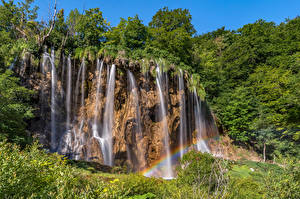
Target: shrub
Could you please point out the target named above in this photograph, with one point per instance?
(244, 188)
(32, 173)
(204, 173)
(283, 184)
(132, 185)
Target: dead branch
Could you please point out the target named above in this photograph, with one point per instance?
(22, 32)
(44, 37)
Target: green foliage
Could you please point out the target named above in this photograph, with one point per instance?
(131, 186)
(18, 29)
(251, 77)
(172, 30)
(285, 185)
(238, 110)
(244, 188)
(130, 34)
(32, 173)
(198, 169)
(89, 27)
(14, 108)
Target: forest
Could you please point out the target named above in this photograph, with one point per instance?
(250, 78)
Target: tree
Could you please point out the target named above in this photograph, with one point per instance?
(130, 34)
(238, 109)
(88, 32)
(172, 30)
(14, 108)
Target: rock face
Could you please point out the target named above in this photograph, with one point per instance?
(137, 138)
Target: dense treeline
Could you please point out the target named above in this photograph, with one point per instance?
(251, 75)
(252, 80)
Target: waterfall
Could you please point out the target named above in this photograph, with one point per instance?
(86, 134)
(78, 137)
(65, 144)
(201, 144)
(77, 87)
(43, 85)
(62, 76)
(134, 92)
(82, 83)
(68, 94)
(53, 102)
(134, 102)
(167, 171)
(98, 91)
(108, 120)
(183, 126)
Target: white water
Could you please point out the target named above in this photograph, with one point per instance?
(167, 171)
(78, 141)
(201, 144)
(65, 144)
(82, 83)
(43, 84)
(98, 91)
(62, 76)
(68, 93)
(134, 91)
(183, 126)
(108, 120)
(53, 141)
(77, 86)
(132, 88)
(78, 136)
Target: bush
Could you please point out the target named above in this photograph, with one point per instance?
(205, 174)
(133, 185)
(32, 173)
(244, 188)
(284, 184)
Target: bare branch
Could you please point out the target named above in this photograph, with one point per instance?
(44, 37)
(22, 32)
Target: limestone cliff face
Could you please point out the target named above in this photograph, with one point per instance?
(136, 150)
(129, 148)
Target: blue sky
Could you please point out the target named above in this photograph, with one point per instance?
(208, 15)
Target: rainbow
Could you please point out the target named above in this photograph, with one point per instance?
(175, 153)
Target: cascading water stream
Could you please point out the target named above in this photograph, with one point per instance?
(65, 143)
(43, 84)
(108, 120)
(53, 102)
(167, 171)
(77, 87)
(65, 146)
(76, 93)
(183, 125)
(68, 93)
(78, 137)
(98, 91)
(134, 92)
(132, 88)
(82, 83)
(201, 144)
(62, 76)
